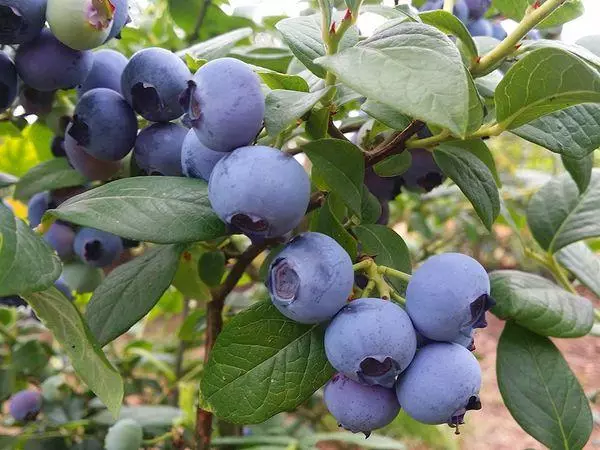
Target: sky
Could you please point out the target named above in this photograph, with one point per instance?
(584, 26)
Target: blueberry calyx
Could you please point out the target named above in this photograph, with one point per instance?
(80, 131)
(381, 370)
(249, 224)
(284, 281)
(430, 181)
(146, 99)
(190, 103)
(479, 307)
(11, 22)
(93, 250)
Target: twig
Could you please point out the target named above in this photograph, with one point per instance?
(395, 146)
(201, 16)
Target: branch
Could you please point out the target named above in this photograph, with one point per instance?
(396, 146)
(201, 16)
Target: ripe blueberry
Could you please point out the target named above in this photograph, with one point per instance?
(106, 72)
(90, 167)
(158, 149)
(97, 248)
(371, 341)
(311, 278)
(441, 384)
(480, 27)
(259, 191)
(25, 405)
(8, 82)
(120, 19)
(197, 160)
(360, 408)
(37, 206)
(21, 20)
(226, 104)
(61, 237)
(477, 8)
(423, 175)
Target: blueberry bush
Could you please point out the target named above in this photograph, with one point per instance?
(323, 209)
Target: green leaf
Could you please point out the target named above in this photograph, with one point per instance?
(130, 291)
(193, 327)
(82, 278)
(263, 364)
(27, 263)
(591, 43)
(326, 7)
(572, 132)
(164, 210)
(69, 328)
(30, 357)
(515, 9)
(521, 98)
(303, 37)
(450, 24)
(156, 416)
(371, 208)
(211, 267)
(284, 108)
(540, 305)
(276, 80)
(394, 165)
(318, 123)
(8, 381)
(273, 58)
(582, 262)
(387, 247)
(479, 148)
(216, 47)
(540, 390)
(580, 170)
(327, 220)
(408, 58)
(473, 178)
(558, 215)
(341, 165)
(7, 180)
(187, 279)
(49, 175)
(386, 115)
(7, 442)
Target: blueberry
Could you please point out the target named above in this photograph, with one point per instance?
(36, 102)
(461, 11)
(432, 5)
(106, 72)
(480, 27)
(360, 408)
(90, 167)
(381, 187)
(81, 24)
(226, 104)
(534, 35)
(311, 278)
(259, 191)
(61, 237)
(424, 174)
(498, 31)
(371, 341)
(37, 206)
(441, 384)
(152, 83)
(21, 20)
(104, 125)
(8, 82)
(120, 19)
(477, 8)
(46, 64)
(197, 160)
(97, 248)
(158, 149)
(25, 405)
(448, 296)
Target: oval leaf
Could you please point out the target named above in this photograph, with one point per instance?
(559, 215)
(473, 178)
(450, 24)
(580, 170)
(53, 174)
(394, 165)
(130, 291)
(521, 97)
(61, 317)
(540, 305)
(328, 220)
(341, 165)
(27, 263)
(164, 210)
(386, 115)
(408, 58)
(582, 262)
(540, 390)
(263, 364)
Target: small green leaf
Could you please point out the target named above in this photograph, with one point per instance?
(540, 390)
(559, 215)
(317, 123)
(450, 24)
(371, 207)
(130, 291)
(572, 132)
(193, 63)
(49, 175)
(580, 260)
(276, 80)
(187, 279)
(580, 170)
(216, 47)
(408, 58)
(394, 165)
(211, 268)
(164, 210)
(387, 247)
(341, 166)
(327, 220)
(27, 263)
(540, 305)
(520, 98)
(515, 9)
(386, 115)
(283, 108)
(473, 178)
(69, 328)
(274, 58)
(263, 364)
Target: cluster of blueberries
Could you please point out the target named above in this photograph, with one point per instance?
(424, 353)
